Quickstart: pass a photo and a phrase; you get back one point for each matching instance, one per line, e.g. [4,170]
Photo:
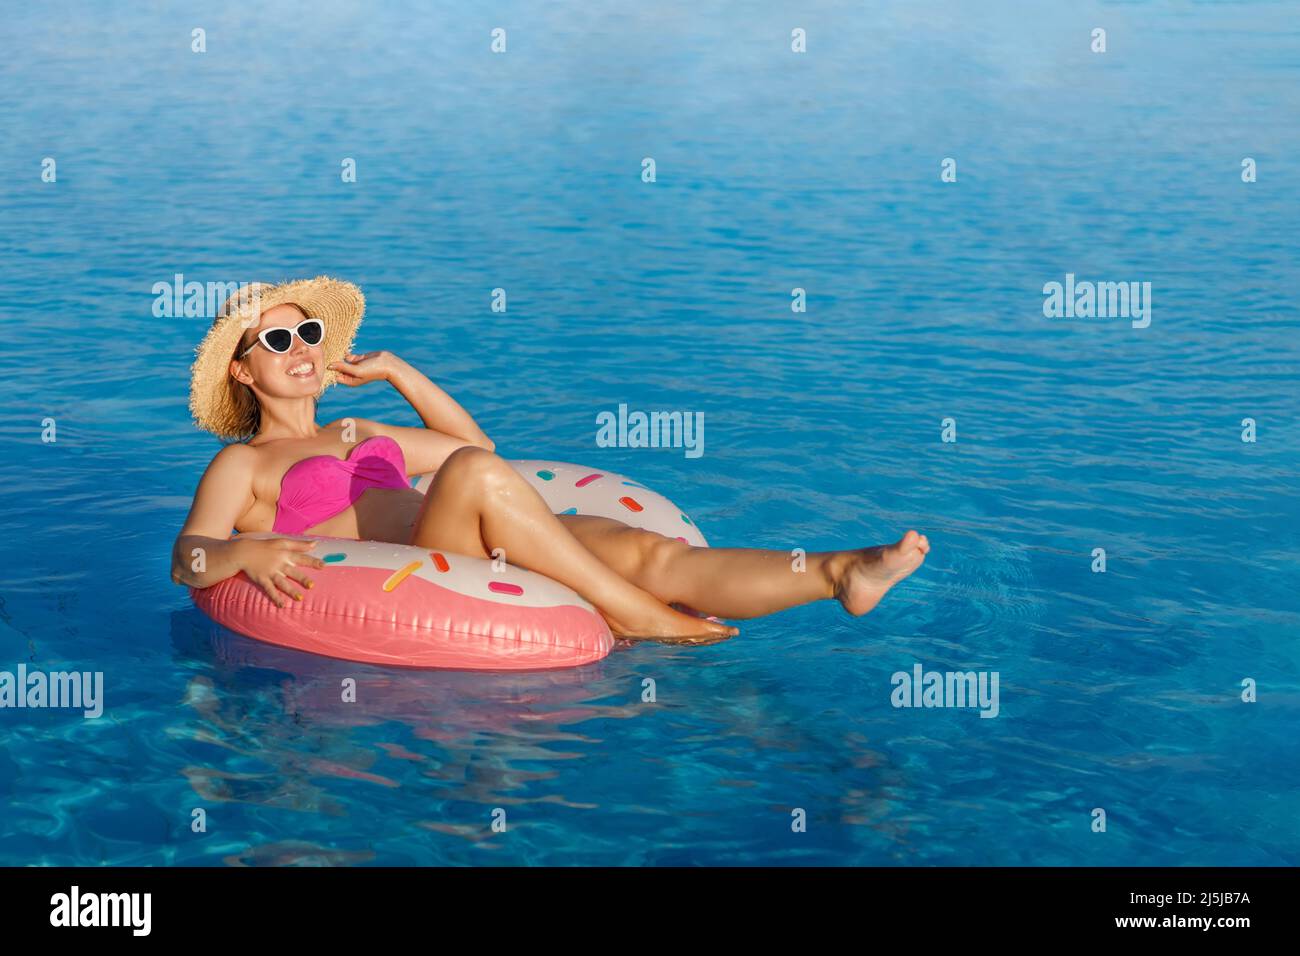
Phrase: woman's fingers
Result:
[299,576]
[271,591]
[282,582]
[349,368]
[287,578]
[346,373]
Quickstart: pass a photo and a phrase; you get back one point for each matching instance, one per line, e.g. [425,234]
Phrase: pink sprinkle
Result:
[503,588]
[682,540]
[583,482]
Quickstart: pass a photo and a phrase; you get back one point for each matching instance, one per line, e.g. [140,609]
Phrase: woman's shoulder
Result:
[235,458]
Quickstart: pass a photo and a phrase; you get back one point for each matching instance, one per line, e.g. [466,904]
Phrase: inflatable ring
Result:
[396,605]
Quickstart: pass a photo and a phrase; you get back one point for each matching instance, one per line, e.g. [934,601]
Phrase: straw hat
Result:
[228,408]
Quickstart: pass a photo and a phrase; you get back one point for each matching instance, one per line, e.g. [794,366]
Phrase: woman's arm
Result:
[438,410]
[203,553]
[447,426]
[225,491]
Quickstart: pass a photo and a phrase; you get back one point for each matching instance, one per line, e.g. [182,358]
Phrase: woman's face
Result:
[290,374]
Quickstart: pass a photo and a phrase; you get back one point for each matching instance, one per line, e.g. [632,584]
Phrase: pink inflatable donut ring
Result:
[394,605]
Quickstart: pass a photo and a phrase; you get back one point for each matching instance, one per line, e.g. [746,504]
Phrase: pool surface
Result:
[774,171]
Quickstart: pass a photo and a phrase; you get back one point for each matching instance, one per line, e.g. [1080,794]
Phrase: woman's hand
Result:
[273,564]
[357,370]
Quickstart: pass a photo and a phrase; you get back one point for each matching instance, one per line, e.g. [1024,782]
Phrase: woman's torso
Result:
[377,514]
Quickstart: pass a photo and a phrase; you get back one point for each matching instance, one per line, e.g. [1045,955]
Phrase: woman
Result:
[257,377]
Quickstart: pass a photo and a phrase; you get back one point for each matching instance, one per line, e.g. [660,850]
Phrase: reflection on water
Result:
[456,739]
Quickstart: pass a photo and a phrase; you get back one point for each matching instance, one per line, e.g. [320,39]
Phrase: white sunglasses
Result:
[280,339]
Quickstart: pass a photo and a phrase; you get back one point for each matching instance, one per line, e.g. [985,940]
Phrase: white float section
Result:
[600,496]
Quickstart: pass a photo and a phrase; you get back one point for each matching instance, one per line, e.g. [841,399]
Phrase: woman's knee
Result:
[474,469]
[658,554]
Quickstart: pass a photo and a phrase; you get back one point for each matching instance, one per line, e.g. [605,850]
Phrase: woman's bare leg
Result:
[747,582]
[478,503]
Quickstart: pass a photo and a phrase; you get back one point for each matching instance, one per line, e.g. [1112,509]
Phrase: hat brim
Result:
[338,304]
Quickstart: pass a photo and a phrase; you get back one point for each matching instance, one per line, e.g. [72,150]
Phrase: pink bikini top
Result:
[322,486]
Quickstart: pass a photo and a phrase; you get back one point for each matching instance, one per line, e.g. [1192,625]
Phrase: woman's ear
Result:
[239,373]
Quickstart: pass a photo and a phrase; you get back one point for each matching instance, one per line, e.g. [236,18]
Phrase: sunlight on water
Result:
[925,302]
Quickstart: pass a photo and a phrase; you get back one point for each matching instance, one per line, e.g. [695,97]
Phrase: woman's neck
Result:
[283,420]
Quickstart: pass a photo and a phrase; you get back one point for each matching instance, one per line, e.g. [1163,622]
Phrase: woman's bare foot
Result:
[867,574]
[658,622]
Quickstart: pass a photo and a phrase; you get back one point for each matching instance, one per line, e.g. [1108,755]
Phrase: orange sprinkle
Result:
[440,562]
[401,574]
[631,504]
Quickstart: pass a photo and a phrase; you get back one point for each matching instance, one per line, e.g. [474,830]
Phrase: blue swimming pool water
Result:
[775,171]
